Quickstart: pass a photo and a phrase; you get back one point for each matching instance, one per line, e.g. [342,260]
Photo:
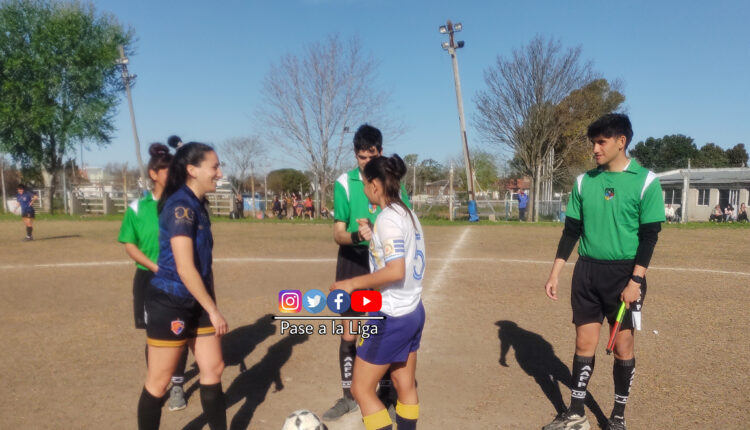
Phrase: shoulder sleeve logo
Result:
[181,212]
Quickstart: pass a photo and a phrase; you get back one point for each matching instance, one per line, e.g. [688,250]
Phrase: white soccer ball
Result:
[303,420]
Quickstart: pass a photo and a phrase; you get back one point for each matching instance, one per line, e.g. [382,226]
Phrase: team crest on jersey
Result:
[609,193]
[372,208]
[177,326]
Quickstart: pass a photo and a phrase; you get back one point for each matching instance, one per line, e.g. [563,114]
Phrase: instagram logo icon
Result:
[289,301]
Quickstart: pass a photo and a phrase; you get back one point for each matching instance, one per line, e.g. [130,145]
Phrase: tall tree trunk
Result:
[537,180]
[50,182]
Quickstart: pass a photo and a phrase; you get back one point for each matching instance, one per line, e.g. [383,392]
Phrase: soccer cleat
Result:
[568,421]
[177,398]
[28,239]
[342,407]
[616,424]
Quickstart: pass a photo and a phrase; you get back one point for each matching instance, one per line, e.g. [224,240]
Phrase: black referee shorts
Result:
[352,261]
[141,280]
[596,289]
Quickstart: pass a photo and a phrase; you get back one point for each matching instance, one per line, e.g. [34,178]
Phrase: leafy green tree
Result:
[430,170]
[59,82]
[666,153]
[288,181]
[711,155]
[576,111]
[737,155]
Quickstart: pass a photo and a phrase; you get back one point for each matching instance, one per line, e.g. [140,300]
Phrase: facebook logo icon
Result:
[338,301]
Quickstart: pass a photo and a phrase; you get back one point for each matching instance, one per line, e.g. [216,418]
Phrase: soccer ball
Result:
[303,420]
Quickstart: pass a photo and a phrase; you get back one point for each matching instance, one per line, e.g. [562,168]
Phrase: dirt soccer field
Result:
[71,358]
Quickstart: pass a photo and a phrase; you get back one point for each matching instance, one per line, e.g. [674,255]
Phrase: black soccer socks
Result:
[149,411]
[623,372]
[347,352]
[583,367]
[29,231]
[214,407]
[178,378]
[406,416]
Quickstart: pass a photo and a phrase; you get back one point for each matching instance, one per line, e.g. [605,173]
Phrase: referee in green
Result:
[350,209]
[616,210]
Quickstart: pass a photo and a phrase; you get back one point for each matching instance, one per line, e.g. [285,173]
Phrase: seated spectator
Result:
[669,213]
[742,215]
[728,213]
[324,213]
[276,208]
[717,215]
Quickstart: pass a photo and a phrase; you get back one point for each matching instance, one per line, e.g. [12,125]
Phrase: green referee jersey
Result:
[612,206]
[141,227]
[350,202]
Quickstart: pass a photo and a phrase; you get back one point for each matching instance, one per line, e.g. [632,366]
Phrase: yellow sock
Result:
[377,421]
[410,412]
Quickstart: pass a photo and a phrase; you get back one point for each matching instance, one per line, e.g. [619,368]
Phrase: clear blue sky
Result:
[200,64]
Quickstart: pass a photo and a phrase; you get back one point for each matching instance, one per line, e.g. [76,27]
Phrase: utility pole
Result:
[450,195]
[451,46]
[126,79]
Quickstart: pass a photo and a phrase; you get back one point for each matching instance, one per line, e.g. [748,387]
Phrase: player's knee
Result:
[404,384]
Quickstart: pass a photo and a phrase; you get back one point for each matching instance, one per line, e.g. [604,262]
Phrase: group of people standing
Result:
[615,210]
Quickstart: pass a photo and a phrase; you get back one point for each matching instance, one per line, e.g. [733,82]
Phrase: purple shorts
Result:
[396,338]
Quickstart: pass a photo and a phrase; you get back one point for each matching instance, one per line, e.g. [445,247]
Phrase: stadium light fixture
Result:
[457,27]
[443,29]
[460,44]
[446,45]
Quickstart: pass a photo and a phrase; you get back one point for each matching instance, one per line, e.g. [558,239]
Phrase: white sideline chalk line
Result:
[438,277]
[437,281]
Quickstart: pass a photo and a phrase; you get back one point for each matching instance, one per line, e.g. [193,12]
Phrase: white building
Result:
[703,189]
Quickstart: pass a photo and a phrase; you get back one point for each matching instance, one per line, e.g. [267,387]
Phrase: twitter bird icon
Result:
[314,301]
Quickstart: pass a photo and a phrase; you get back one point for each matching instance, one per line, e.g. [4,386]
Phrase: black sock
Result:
[149,411]
[347,352]
[623,372]
[214,407]
[386,391]
[178,378]
[29,230]
[583,367]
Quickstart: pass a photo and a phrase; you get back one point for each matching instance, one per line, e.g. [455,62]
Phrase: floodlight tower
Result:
[126,79]
[449,28]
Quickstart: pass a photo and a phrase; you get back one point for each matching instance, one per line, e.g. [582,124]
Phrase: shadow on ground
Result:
[251,385]
[537,358]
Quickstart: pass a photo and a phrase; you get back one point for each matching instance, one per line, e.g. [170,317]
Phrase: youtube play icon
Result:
[366,301]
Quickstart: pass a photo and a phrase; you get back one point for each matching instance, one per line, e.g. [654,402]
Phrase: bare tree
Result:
[311,101]
[518,108]
[241,156]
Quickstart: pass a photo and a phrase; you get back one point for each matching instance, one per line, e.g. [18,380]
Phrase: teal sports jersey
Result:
[350,202]
[140,226]
[612,206]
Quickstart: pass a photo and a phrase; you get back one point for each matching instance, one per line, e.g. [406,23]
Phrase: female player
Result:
[397,262]
[26,199]
[180,302]
[140,234]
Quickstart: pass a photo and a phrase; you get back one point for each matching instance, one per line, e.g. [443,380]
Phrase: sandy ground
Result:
[72,359]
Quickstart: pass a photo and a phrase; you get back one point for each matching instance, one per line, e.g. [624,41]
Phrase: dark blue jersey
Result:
[184,215]
[24,199]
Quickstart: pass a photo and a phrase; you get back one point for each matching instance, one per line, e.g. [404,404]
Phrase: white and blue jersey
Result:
[184,215]
[396,236]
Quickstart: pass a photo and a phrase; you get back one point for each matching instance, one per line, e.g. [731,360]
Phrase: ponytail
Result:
[390,171]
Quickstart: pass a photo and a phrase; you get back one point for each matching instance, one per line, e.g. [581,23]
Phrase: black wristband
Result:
[637,279]
[356,238]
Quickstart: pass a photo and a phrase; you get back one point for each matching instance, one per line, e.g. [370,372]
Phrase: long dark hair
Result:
[389,170]
[160,157]
[192,154]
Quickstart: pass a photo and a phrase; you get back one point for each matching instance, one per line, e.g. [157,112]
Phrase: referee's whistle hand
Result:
[365,229]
